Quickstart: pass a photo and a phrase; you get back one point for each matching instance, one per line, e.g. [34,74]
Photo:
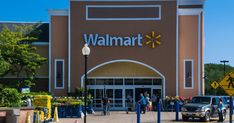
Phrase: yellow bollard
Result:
[27,118]
[56,115]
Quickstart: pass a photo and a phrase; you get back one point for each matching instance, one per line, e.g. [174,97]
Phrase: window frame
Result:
[55,73]
[192,73]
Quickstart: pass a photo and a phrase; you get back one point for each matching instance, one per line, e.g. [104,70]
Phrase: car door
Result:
[214,105]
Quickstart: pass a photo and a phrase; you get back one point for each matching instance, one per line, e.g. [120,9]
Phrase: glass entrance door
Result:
[129,93]
[118,100]
[110,95]
[157,92]
[98,99]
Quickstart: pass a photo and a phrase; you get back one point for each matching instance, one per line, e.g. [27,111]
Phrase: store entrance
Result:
[119,89]
[144,91]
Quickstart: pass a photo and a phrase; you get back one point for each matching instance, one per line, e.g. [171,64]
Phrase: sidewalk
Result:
[122,117]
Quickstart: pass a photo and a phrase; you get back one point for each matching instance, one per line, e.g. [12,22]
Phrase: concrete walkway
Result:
[122,117]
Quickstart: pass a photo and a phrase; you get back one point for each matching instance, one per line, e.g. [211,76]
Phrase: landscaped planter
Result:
[69,111]
[23,114]
[15,115]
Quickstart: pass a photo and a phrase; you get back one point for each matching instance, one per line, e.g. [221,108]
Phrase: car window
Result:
[224,100]
[203,100]
[215,101]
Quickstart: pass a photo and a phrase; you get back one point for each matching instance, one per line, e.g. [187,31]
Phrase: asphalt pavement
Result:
[122,117]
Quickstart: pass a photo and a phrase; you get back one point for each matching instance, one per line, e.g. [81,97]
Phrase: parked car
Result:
[203,107]
[226,101]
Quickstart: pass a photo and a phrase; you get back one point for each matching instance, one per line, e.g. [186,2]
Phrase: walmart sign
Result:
[110,40]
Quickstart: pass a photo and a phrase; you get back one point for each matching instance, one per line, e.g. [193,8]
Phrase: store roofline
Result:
[58,12]
[26,22]
[181,2]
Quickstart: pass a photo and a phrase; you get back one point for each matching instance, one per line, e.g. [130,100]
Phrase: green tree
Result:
[214,72]
[4,66]
[18,54]
[10,97]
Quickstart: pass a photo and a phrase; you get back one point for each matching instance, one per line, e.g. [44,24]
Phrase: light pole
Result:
[230,98]
[85,52]
[224,63]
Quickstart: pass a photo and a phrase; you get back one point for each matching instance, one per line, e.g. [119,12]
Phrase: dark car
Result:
[203,107]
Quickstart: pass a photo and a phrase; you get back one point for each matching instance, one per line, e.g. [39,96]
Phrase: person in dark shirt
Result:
[129,103]
[105,102]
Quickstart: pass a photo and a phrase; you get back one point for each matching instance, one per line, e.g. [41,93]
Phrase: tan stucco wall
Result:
[162,58]
[188,49]
[59,48]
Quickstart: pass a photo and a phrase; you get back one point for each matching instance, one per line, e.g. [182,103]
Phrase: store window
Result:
[128,81]
[118,81]
[157,81]
[188,74]
[91,82]
[143,81]
[59,73]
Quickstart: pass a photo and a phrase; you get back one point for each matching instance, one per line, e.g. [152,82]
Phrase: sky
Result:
[219,22]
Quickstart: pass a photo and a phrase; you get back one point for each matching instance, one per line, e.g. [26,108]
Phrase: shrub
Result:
[67,101]
[10,97]
[31,96]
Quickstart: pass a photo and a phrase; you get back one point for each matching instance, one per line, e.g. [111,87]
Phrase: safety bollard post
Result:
[138,113]
[159,112]
[231,109]
[177,108]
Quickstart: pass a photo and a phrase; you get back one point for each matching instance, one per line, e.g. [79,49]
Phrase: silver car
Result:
[203,107]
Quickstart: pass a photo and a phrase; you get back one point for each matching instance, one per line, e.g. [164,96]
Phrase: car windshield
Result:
[203,100]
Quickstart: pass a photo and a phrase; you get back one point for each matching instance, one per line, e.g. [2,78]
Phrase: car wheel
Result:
[185,118]
[206,118]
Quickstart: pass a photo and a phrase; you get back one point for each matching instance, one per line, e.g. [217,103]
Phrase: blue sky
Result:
[219,22]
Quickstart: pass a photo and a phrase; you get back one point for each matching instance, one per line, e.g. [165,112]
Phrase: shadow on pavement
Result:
[194,120]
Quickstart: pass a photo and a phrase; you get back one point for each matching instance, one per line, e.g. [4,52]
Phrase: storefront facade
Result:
[137,46]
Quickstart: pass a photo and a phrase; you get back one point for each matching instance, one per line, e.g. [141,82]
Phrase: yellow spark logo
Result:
[153,39]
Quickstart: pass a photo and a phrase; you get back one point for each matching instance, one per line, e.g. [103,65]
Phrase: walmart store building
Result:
[137,46]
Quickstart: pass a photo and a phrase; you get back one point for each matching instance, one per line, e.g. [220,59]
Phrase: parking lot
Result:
[122,117]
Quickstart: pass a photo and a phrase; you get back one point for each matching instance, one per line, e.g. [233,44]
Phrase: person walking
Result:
[142,102]
[154,102]
[129,103]
[159,100]
[148,106]
[105,102]
[220,110]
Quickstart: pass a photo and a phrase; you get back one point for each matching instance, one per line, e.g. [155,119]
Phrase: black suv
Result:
[203,107]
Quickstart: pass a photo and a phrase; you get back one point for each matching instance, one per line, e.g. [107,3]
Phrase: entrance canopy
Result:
[124,69]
